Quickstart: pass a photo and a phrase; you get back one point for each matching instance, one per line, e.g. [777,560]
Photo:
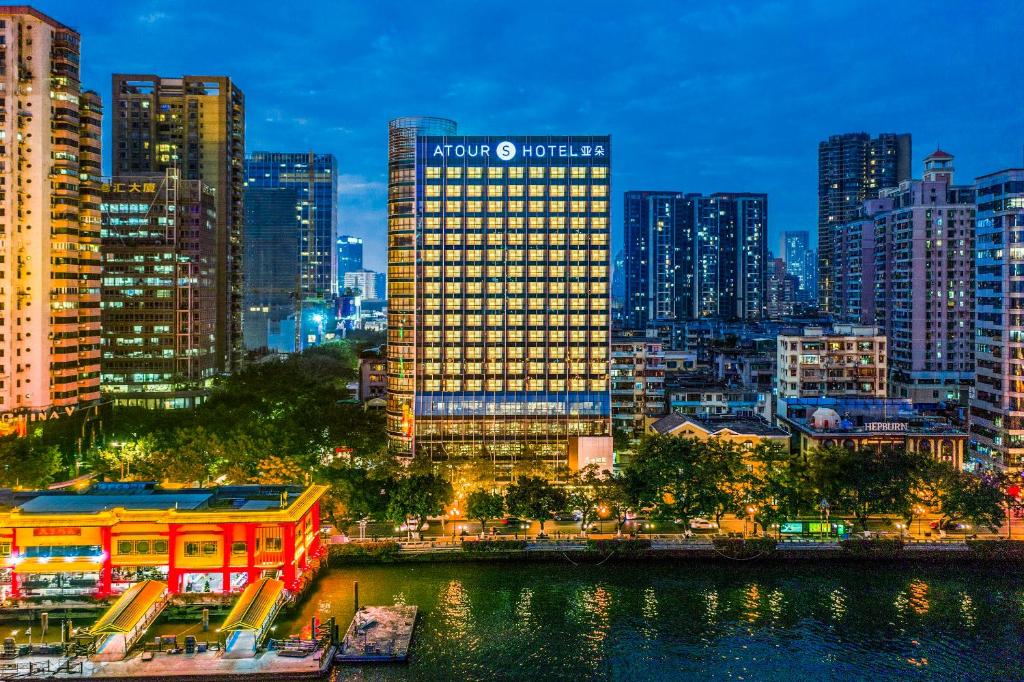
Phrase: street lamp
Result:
[918,512]
[751,510]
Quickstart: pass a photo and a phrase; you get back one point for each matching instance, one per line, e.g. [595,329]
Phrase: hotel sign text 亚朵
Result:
[508,150]
[886,426]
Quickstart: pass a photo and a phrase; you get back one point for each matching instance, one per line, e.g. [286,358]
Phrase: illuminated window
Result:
[599,206]
[599,191]
[599,172]
[432,206]
[433,172]
[495,206]
[453,190]
[474,172]
[535,206]
[578,172]
[432,190]
[454,171]
[515,171]
[557,171]
[495,190]
[453,206]
[557,207]
[515,190]
[536,190]
[515,206]
[474,206]
[537,171]
[474,190]
[495,172]
[557,190]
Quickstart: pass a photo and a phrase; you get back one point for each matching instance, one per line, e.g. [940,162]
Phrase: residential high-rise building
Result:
[997,408]
[315,177]
[50,235]
[924,285]
[657,260]
[853,286]
[159,299]
[731,255]
[781,290]
[851,168]
[637,383]
[195,124]
[370,284]
[273,268]
[846,361]
[350,257]
[402,133]
[510,320]
[693,256]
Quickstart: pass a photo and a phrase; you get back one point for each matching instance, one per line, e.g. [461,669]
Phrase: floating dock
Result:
[379,634]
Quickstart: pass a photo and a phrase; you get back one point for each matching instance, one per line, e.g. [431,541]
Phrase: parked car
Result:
[512,521]
[568,516]
[701,524]
[946,525]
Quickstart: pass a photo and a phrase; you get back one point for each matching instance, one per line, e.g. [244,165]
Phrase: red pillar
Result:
[108,557]
[15,592]
[250,552]
[288,540]
[173,577]
[228,535]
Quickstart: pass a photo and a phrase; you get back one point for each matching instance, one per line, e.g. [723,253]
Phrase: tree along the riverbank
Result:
[682,479]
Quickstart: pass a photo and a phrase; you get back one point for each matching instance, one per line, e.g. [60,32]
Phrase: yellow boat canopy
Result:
[130,608]
[258,603]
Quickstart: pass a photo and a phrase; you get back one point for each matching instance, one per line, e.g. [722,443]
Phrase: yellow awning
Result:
[130,608]
[257,603]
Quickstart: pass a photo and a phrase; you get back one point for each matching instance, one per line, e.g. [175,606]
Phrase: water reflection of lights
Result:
[776,600]
[454,608]
[837,603]
[752,602]
[711,606]
[524,610]
[919,597]
[650,613]
[591,609]
[968,611]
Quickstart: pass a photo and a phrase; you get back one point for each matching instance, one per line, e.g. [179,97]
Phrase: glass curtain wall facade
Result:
[402,133]
[511,318]
[315,178]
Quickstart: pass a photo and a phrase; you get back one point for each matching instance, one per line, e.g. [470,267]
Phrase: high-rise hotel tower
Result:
[509,326]
[49,221]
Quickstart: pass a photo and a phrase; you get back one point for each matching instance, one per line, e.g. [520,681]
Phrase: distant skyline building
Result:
[924,285]
[159,298]
[997,408]
[350,257]
[49,197]
[853,287]
[691,256]
[852,167]
[401,295]
[511,311]
[314,176]
[801,262]
[369,283]
[195,124]
[272,267]
[781,290]
[844,361]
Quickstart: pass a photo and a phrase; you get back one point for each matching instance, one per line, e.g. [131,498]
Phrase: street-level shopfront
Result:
[205,549]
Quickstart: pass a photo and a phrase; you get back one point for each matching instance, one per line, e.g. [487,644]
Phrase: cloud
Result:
[351,185]
[152,18]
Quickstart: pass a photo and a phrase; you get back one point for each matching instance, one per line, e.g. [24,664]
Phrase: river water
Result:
[662,621]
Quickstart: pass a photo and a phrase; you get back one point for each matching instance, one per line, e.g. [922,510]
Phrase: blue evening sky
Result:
[698,96]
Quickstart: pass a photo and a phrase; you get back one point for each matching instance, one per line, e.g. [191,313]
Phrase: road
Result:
[920,528]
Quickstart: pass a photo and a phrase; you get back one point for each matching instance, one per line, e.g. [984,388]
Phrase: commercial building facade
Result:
[402,267]
[197,540]
[511,310]
[195,124]
[852,167]
[848,360]
[370,285]
[350,257]
[272,268]
[50,179]
[159,298]
[314,177]
[997,408]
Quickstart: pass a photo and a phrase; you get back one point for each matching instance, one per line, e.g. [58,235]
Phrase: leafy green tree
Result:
[621,493]
[417,497]
[723,462]
[27,462]
[357,493]
[187,455]
[776,486]
[534,498]
[482,505]
[585,491]
[675,477]
[967,497]
[868,481]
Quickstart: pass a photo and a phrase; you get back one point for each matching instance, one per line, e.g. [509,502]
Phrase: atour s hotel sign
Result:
[507,150]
